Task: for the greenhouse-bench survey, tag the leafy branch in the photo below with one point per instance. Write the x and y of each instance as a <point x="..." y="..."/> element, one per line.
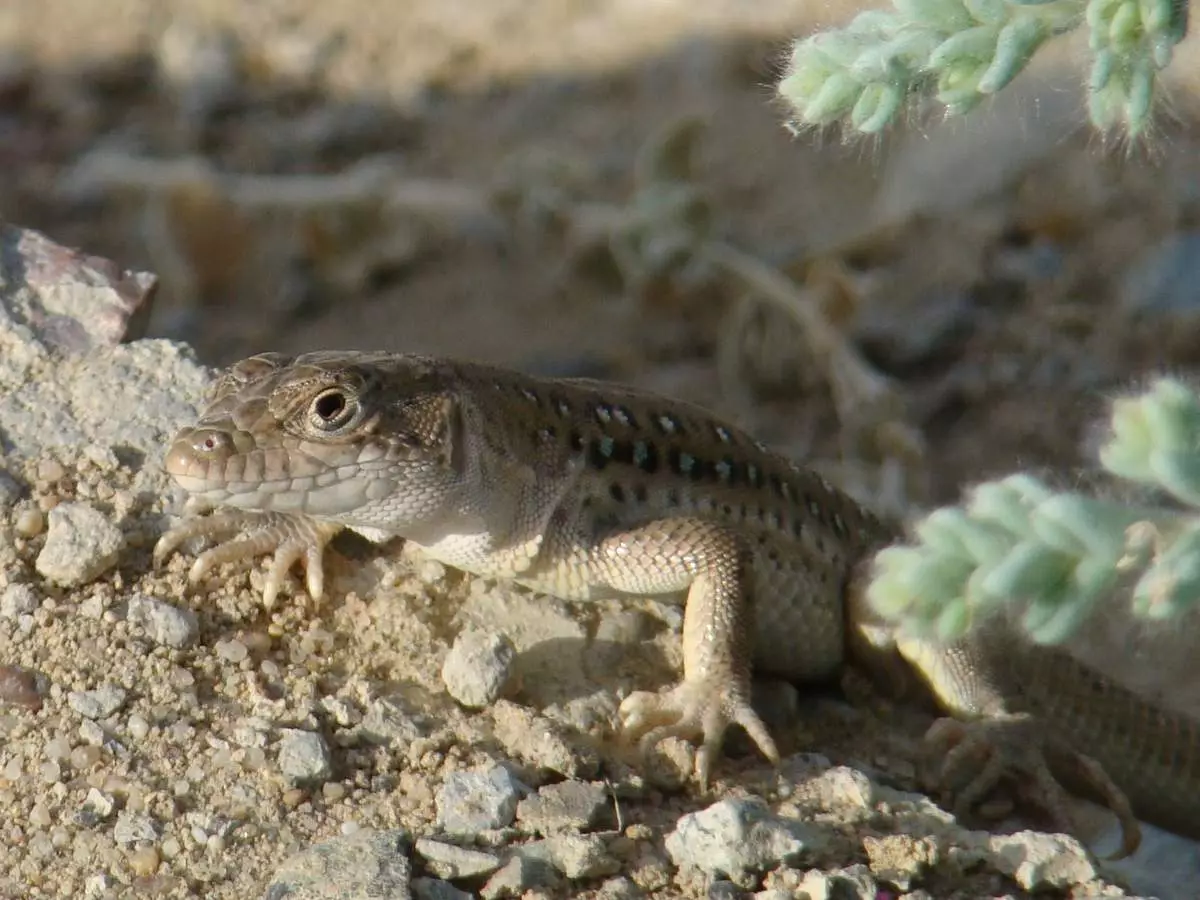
<point x="1017" y="544"/>
<point x="961" y="51"/>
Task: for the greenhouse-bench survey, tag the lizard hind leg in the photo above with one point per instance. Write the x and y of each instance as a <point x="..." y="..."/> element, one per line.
<point x="709" y="561"/>
<point x="1018" y="743"/>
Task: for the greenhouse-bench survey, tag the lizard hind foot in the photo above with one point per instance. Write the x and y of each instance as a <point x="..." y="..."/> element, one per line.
<point x="690" y="710"/>
<point x="975" y="756"/>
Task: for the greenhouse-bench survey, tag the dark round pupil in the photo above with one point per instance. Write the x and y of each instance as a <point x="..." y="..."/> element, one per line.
<point x="330" y="405"/>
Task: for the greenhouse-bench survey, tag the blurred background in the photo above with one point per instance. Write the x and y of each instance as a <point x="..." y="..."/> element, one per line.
<point x="607" y="189"/>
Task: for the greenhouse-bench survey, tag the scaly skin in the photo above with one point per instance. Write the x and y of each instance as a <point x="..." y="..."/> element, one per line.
<point x="583" y="489"/>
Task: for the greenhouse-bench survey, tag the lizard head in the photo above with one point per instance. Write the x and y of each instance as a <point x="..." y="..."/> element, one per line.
<point x="323" y="434"/>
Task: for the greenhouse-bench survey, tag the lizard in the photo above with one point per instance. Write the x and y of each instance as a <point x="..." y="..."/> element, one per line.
<point x="585" y="489"/>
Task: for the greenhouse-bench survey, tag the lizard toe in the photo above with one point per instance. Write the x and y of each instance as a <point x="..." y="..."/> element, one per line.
<point x="289" y="539"/>
<point x="972" y="759"/>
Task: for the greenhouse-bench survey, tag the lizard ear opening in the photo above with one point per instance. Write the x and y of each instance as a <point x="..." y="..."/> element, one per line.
<point x="434" y="423"/>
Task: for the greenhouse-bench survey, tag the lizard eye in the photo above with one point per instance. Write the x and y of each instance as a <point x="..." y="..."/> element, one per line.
<point x="330" y="409"/>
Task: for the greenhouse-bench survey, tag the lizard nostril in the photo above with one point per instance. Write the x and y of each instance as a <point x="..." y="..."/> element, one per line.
<point x="207" y="444"/>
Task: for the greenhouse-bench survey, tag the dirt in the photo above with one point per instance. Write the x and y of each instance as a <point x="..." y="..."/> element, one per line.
<point x="984" y="276"/>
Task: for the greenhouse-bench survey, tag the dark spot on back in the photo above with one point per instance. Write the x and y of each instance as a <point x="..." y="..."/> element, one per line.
<point x="622" y="452"/>
<point x="645" y="456"/>
<point x="597" y="458"/>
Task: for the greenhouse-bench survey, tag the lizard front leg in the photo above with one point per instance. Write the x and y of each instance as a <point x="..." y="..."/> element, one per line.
<point x="714" y="566"/>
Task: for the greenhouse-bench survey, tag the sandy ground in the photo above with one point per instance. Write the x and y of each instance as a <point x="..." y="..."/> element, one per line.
<point x="983" y="269"/>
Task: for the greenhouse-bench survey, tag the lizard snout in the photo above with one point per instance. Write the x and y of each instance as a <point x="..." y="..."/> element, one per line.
<point x="193" y="447"/>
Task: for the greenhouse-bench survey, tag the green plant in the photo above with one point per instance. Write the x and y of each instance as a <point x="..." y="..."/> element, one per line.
<point x="1017" y="544"/>
<point x="961" y="51"/>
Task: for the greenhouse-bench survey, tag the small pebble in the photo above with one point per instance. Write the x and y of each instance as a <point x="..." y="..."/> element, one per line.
<point x="453" y="862"/>
<point x="304" y="756"/>
<point x="29" y="523"/>
<point x="574" y="855"/>
<point x="133" y="827"/>
<point x="519" y="876"/>
<point x="81" y="545"/>
<point x="50" y="471"/>
<point x="567" y="806"/>
<point x="58" y="749"/>
<point x="478" y="668"/>
<point x="99" y="703"/>
<point x="138" y="727"/>
<point x="387" y="720"/>
<point x="97" y="806"/>
<point x="143" y="861"/>
<point x="232" y="651"/>
<point x="18" y="600"/>
<point x="163" y="623"/>
<point x="469" y="802"/>
<point x="737" y="837"/>
<point x="83" y="758"/>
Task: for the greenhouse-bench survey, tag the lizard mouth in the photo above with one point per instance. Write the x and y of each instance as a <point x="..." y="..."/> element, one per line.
<point x="217" y="467"/>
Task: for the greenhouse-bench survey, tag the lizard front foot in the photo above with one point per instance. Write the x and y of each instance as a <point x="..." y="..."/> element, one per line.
<point x="244" y="535"/>
<point x="700" y="709"/>
<point x="976" y="755"/>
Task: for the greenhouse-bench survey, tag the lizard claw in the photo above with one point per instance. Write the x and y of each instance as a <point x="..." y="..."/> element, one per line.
<point x="975" y="756"/>
<point x="689" y="710"/>
<point x="290" y="538"/>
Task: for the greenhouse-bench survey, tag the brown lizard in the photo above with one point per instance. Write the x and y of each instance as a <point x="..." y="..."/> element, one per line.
<point x="584" y="489"/>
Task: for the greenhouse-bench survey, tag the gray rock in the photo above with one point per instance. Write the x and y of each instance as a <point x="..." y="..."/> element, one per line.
<point x="1039" y="861"/>
<point x="132" y="828"/>
<point x="304" y="757"/>
<point x="63" y="298"/>
<point x="18" y="600"/>
<point x="735" y="838"/>
<point x="469" y="802"/>
<point x="163" y="623"/>
<point x="451" y="861"/>
<point x="387" y="721"/>
<point x="367" y="865"/>
<point x="81" y="545"/>
<point x="520" y="874"/>
<point x="478" y="668"/>
<point x="99" y="703"/>
<point x="541" y="741"/>
<point x="566" y="806"/>
<point x="96" y="807"/>
<point x="574" y="855"/>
